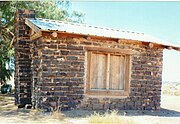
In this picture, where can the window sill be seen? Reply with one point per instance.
(105, 96)
(108, 93)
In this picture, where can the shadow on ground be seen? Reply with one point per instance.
(9, 110)
(161, 113)
(9, 113)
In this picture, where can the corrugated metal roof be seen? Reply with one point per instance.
(54, 25)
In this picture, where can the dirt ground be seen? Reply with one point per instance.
(169, 113)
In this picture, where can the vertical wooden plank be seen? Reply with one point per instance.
(113, 72)
(122, 72)
(119, 73)
(98, 71)
(102, 63)
(93, 71)
(108, 72)
(117, 68)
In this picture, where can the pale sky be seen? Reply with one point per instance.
(159, 19)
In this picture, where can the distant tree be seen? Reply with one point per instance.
(6, 68)
(57, 10)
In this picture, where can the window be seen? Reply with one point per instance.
(108, 72)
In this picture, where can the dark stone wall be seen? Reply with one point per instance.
(36, 70)
(61, 76)
(23, 74)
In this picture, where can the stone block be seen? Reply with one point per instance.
(97, 106)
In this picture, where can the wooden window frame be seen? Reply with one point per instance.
(108, 51)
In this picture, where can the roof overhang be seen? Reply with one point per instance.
(56, 28)
(35, 31)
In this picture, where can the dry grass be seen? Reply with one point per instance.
(8, 109)
(109, 118)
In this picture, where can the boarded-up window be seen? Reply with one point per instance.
(108, 73)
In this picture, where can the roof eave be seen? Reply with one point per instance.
(36, 31)
(39, 31)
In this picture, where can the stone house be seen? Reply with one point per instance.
(62, 65)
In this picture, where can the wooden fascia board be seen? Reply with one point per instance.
(32, 26)
(112, 50)
(176, 48)
(119, 40)
(38, 32)
(34, 36)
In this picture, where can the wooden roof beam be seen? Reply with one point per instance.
(34, 36)
(35, 31)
